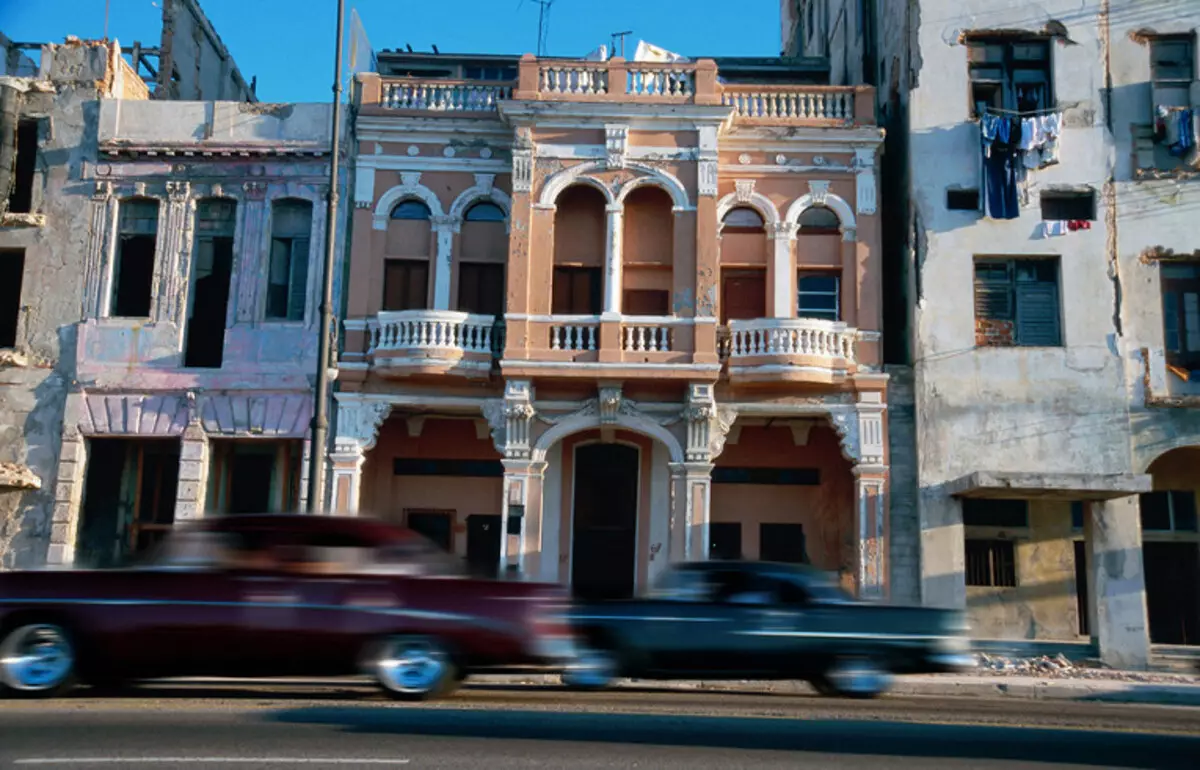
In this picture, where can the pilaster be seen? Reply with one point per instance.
(444, 229)
(250, 267)
(521, 519)
(782, 273)
(100, 250)
(173, 266)
(193, 473)
(68, 487)
(613, 260)
(358, 424)
(691, 500)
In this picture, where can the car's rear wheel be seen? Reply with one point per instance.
(37, 660)
(853, 676)
(595, 667)
(415, 668)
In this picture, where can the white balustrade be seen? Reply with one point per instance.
(671, 81)
(791, 104)
(573, 79)
(444, 97)
(575, 335)
(647, 335)
(792, 337)
(431, 330)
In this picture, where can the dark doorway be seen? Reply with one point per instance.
(743, 294)
(604, 543)
(725, 540)
(250, 482)
(12, 271)
(483, 544)
(1172, 600)
(128, 499)
(434, 525)
(20, 197)
(782, 542)
(1081, 587)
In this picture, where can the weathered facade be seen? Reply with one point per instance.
(1047, 306)
(604, 315)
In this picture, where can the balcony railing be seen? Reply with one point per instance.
(648, 334)
(575, 333)
(432, 341)
(618, 80)
(790, 349)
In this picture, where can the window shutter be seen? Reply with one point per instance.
(993, 300)
(1037, 313)
(298, 291)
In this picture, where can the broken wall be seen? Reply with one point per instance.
(194, 63)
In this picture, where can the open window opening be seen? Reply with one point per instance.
(1010, 73)
(133, 269)
(12, 271)
(20, 198)
(484, 251)
(579, 245)
(212, 271)
(743, 263)
(648, 246)
(1068, 205)
(287, 274)
(819, 295)
(1181, 314)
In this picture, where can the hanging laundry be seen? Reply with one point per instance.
(1000, 185)
(1179, 132)
(1075, 225)
(1053, 228)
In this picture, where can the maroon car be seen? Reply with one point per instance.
(277, 595)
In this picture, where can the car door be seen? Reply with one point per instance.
(269, 606)
(754, 623)
(681, 629)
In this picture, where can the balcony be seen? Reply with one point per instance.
(801, 350)
(618, 80)
(413, 343)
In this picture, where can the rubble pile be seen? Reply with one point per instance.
(1060, 667)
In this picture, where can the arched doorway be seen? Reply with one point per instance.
(1171, 547)
(604, 521)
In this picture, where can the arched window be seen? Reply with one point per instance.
(212, 273)
(411, 209)
(743, 218)
(819, 220)
(485, 212)
(647, 252)
(579, 237)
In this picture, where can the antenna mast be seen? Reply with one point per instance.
(620, 36)
(543, 25)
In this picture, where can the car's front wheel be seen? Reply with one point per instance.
(37, 660)
(853, 676)
(595, 667)
(414, 668)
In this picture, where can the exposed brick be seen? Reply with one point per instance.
(990, 333)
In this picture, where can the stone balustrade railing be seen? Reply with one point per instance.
(431, 330)
(644, 334)
(575, 333)
(443, 95)
(618, 80)
(787, 337)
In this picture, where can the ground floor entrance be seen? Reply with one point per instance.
(604, 537)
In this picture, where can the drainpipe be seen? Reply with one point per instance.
(10, 115)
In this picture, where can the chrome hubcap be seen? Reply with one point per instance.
(591, 668)
(858, 676)
(411, 666)
(35, 658)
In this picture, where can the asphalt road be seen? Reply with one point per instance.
(497, 727)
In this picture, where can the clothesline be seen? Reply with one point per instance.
(1027, 113)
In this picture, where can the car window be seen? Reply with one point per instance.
(413, 557)
(190, 549)
(812, 588)
(744, 587)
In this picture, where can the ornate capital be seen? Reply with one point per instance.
(358, 424)
(410, 178)
(699, 413)
(255, 191)
(610, 404)
(784, 229)
(515, 413)
(104, 190)
(485, 183)
(522, 171)
(178, 191)
(708, 177)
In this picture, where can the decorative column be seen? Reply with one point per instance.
(1116, 583)
(706, 277)
(193, 467)
(100, 243)
(864, 183)
(250, 266)
(357, 431)
(444, 228)
(783, 278)
(612, 256)
(511, 421)
(173, 267)
(691, 480)
(861, 433)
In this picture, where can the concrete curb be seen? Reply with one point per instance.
(939, 686)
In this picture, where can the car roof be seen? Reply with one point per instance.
(758, 567)
(359, 527)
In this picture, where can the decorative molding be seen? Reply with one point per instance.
(178, 190)
(278, 415)
(518, 413)
(743, 190)
(865, 186)
(610, 402)
(616, 144)
(364, 186)
(708, 178)
(133, 415)
(845, 423)
(700, 411)
(254, 191)
(719, 431)
(757, 201)
(709, 161)
(483, 189)
(819, 190)
(577, 173)
(358, 424)
(410, 187)
(821, 195)
(870, 435)
(522, 171)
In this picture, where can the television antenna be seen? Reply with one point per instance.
(620, 36)
(543, 25)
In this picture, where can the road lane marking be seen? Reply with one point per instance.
(208, 761)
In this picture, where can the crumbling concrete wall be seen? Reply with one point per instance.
(194, 64)
(904, 528)
(35, 375)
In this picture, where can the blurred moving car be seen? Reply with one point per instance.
(761, 620)
(277, 595)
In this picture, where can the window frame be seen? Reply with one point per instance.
(406, 266)
(1011, 287)
(1008, 65)
(820, 313)
(1178, 289)
(1174, 499)
(1187, 40)
(993, 574)
(299, 246)
(122, 235)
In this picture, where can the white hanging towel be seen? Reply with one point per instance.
(600, 54)
(651, 53)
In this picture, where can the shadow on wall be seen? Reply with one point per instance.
(849, 737)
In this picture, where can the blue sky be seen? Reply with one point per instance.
(288, 44)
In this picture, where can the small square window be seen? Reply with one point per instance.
(958, 199)
(1172, 60)
(991, 563)
(1058, 205)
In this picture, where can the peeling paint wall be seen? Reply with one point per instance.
(34, 381)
